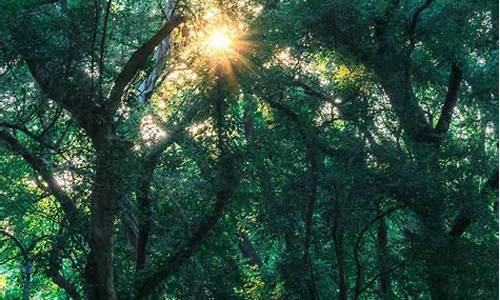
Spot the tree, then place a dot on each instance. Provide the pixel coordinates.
(250, 149)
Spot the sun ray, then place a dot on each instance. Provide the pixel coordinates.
(225, 48)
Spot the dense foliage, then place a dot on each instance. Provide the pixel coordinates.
(240, 149)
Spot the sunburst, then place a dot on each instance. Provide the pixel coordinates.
(224, 48)
(220, 41)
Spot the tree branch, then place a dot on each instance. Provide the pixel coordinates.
(26, 265)
(103, 47)
(303, 129)
(174, 262)
(357, 245)
(227, 181)
(172, 130)
(67, 286)
(38, 165)
(144, 197)
(136, 62)
(414, 20)
(388, 271)
(450, 102)
(465, 217)
(64, 81)
(26, 131)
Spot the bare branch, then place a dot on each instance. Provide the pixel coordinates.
(450, 101)
(103, 46)
(415, 17)
(137, 62)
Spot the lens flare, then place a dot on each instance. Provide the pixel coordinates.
(219, 41)
(224, 47)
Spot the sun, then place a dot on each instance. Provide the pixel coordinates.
(223, 45)
(220, 41)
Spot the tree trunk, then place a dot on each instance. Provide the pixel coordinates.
(437, 288)
(311, 199)
(145, 202)
(384, 281)
(108, 190)
(26, 279)
(291, 269)
(439, 254)
(396, 83)
(338, 243)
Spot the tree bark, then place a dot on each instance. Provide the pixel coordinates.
(109, 188)
(312, 185)
(145, 203)
(395, 79)
(384, 280)
(338, 244)
(63, 283)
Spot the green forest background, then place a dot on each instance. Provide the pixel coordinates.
(239, 149)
